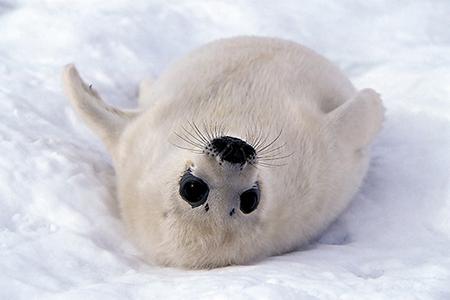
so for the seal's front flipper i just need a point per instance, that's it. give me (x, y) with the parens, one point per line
(106, 121)
(357, 121)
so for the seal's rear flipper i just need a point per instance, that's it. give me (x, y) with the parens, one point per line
(357, 121)
(106, 121)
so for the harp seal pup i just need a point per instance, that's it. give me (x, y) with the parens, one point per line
(245, 148)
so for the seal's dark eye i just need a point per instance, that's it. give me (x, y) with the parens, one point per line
(249, 200)
(193, 190)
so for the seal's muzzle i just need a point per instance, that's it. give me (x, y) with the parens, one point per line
(233, 150)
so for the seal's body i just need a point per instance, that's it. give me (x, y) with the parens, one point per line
(247, 147)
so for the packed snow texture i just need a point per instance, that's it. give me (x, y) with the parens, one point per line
(60, 232)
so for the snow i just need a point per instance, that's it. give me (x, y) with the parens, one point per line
(60, 234)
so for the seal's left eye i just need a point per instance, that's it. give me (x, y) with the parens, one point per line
(193, 190)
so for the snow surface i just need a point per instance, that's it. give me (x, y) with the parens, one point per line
(60, 235)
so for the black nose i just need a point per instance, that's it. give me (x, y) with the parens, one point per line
(233, 150)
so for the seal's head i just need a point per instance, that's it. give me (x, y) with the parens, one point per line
(225, 175)
(218, 188)
(211, 195)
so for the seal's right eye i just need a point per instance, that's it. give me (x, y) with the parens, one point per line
(193, 190)
(249, 200)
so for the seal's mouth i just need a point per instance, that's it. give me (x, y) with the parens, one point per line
(232, 150)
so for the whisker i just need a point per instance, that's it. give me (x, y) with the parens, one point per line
(187, 140)
(193, 136)
(217, 130)
(252, 135)
(196, 151)
(191, 141)
(208, 134)
(199, 133)
(261, 142)
(270, 165)
(258, 139)
(252, 165)
(271, 143)
(214, 130)
(247, 136)
(268, 151)
(223, 131)
(274, 157)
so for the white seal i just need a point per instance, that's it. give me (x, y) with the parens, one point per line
(245, 148)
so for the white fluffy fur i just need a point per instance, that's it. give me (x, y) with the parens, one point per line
(245, 84)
